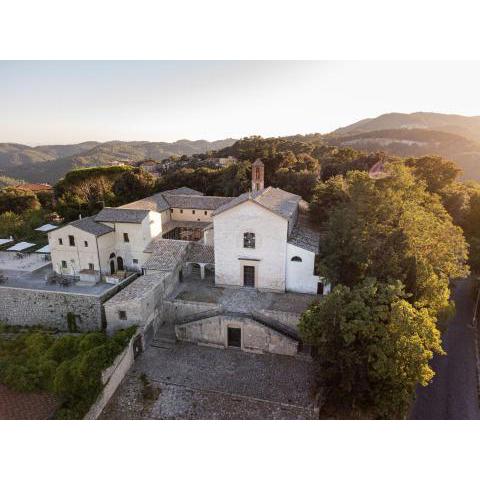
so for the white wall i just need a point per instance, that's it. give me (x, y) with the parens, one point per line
(77, 257)
(269, 252)
(300, 277)
(187, 215)
(139, 236)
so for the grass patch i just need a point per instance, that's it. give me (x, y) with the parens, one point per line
(69, 366)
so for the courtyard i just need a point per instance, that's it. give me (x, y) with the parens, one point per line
(193, 382)
(241, 299)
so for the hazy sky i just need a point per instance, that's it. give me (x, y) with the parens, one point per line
(67, 102)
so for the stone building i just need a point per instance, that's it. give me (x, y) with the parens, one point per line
(259, 240)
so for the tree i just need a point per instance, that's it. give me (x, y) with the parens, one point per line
(11, 224)
(132, 185)
(373, 348)
(17, 200)
(394, 229)
(471, 226)
(327, 195)
(434, 170)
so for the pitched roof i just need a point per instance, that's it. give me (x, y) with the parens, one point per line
(159, 203)
(200, 253)
(119, 215)
(196, 201)
(183, 191)
(156, 202)
(274, 199)
(165, 254)
(304, 236)
(89, 225)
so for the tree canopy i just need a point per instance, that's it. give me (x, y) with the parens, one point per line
(373, 348)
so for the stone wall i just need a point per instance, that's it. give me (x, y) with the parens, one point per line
(111, 379)
(255, 337)
(19, 306)
(176, 310)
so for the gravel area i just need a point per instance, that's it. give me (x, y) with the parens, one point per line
(193, 382)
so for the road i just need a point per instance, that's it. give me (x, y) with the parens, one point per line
(452, 395)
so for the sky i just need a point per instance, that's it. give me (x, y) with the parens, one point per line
(59, 102)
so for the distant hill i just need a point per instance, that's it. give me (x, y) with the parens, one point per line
(454, 137)
(468, 127)
(48, 163)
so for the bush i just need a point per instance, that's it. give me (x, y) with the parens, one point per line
(69, 366)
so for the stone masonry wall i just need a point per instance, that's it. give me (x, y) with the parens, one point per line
(19, 306)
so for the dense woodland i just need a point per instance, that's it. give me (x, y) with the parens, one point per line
(391, 247)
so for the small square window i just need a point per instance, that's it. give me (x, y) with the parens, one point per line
(125, 238)
(122, 315)
(205, 212)
(135, 261)
(60, 241)
(181, 211)
(91, 266)
(85, 243)
(171, 210)
(193, 212)
(64, 264)
(71, 240)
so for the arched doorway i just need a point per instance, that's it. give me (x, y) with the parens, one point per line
(112, 263)
(120, 263)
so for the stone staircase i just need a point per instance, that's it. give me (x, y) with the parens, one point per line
(165, 337)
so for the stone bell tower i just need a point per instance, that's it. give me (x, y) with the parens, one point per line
(258, 175)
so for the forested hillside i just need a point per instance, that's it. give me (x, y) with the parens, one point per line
(451, 136)
(49, 163)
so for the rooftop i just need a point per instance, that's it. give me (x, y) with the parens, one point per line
(196, 201)
(274, 199)
(36, 281)
(139, 288)
(165, 254)
(199, 253)
(89, 225)
(120, 215)
(304, 236)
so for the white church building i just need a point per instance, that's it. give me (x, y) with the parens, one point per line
(260, 239)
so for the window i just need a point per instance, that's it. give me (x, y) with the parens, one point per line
(71, 240)
(125, 238)
(257, 173)
(171, 210)
(64, 264)
(135, 261)
(320, 288)
(193, 212)
(60, 241)
(85, 243)
(248, 240)
(181, 211)
(122, 314)
(205, 212)
(91, 266)
(296, 259)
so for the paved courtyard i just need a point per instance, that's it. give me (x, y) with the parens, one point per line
(242, 299)
(194, 382)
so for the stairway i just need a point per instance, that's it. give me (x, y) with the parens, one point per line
(165, 337)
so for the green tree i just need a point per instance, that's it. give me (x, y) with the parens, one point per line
(434, 170)
(373, 348)
(11, 224)
(327, 195)
(394, 229)
(132, 185)
(17, 200)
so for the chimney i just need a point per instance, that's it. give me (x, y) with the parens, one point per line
(258, 175)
